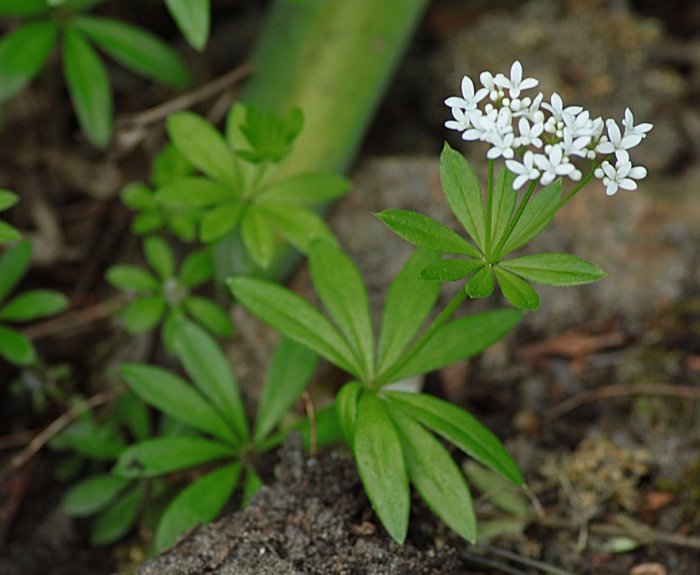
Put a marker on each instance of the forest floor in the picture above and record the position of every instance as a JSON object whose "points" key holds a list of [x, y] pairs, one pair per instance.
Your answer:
{"points": [[597, 395]]}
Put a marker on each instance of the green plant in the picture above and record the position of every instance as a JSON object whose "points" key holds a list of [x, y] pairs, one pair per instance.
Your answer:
{"points": [[24, 51], [486, 264], [167, 295], [16, 347], [8, 233], [193, 19], [223, 446], [239, 189], [153, 216], [390, 432], [114, 502]]}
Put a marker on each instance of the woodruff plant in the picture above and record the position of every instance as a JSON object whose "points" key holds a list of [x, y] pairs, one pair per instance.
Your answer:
{"points": [[239, 188], [24, 51], [162, 298], [392, 434]]}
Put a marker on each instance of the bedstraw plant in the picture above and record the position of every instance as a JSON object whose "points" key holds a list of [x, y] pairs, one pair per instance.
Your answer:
{"points": [[392, 434]]}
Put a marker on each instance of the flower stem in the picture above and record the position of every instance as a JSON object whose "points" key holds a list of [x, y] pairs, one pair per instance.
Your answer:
{"points": [[425, 337], [515, 219], [575, 191], [489, 207]]}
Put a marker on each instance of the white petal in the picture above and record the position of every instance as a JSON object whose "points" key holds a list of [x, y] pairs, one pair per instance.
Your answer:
{"points": [[628, 184], [638, 173], [611, 189], [467, 88], [528, 83], [605, 148], [520, 181], [455, 102]]}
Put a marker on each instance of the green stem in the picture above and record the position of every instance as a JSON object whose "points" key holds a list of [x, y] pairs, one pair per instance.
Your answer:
{"points": [[425, 337], [576, 190], [489, 207], [515, 219]]}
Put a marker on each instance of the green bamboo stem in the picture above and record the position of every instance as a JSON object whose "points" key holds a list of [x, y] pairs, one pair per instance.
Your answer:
{"points": [[333, 59]]}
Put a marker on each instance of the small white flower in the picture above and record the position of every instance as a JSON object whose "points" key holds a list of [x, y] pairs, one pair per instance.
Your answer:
{"points": [[616, 141], [579, 124], [631, 129], [501, 146], [620, 176], [469, 99], [460, 122], [515, 84], [555, 106], [525, 170], [574, 146], [529, 134], [553, 164], [489, 83]]}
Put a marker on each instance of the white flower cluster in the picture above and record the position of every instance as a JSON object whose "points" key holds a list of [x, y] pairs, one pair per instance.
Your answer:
{"points": [[537, 139]]}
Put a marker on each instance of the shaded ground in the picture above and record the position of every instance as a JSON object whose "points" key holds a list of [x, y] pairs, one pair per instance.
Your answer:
{"points": [[596, 394]]}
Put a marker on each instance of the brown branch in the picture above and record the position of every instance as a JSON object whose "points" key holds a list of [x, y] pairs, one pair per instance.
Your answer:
{"points": [[56, 426], [160, 112], [641, 533], [74, 319], [622, 390]]}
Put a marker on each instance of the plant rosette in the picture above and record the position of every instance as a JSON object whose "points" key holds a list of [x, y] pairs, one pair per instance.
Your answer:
{"points": [[164, 296], [237, 188]]}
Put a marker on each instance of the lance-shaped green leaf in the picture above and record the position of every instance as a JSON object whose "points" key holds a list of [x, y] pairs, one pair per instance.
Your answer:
{"points": [[97, 441], [425, 232], [218, 221], [16, 347], [203, 146], [346, 409], [534, 219], [115, 521], [159, 256], [34, 304], [197, 268], [194, 192], [89, 87], [380, 463], [143, 313], [287, 375], [8, 233], [7, 199], [450, 269], [23, 7], [23, 53], [436, 476], [504, 200], [554, 269], [463, 193], [408, 304], [294, 317], [459, 428], [460, 339], [93, 494], [339, 285], [209, 315], [136, 49], [306, 189], [162, 455], [13, 264], [253, 482], [211, 372], [199, 503], [134, 415], [299, 226], [132, 278], [176, 398], [192, 18], [517, 291], [480, 285], [259, 237]]}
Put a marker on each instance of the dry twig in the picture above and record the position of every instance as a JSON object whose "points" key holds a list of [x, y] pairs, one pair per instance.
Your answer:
{"points": [[622, 390]]}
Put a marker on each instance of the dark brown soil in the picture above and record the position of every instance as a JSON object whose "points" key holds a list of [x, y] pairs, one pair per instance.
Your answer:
{"points": [[313, 520]]}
